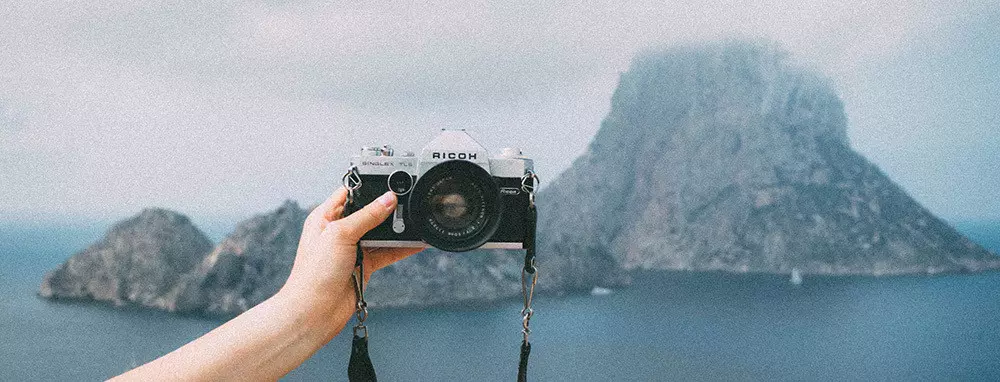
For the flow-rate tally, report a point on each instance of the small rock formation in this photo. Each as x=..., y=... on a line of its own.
x=249, y=266
x=139, y=261
x=726, y=156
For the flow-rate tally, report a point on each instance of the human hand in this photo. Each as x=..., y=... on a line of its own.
x=324, y=262
x=277, y=335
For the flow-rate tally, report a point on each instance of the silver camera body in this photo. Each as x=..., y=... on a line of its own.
x=454, y=195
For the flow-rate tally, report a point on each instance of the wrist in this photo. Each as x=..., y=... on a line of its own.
x=319, y=311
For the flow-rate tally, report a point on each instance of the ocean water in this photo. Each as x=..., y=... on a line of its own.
x=667, y=326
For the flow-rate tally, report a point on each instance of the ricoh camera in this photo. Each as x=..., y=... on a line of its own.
x=453, y=196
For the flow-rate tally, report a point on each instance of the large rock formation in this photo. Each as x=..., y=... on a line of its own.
x=139, y=260
x=727, y=156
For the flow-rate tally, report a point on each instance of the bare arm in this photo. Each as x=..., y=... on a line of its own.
x=277, y=335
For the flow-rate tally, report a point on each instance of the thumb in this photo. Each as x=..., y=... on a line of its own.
x=355, y=225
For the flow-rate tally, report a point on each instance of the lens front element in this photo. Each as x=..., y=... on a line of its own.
x=457, y=207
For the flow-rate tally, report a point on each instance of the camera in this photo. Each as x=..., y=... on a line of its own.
x=454, y=196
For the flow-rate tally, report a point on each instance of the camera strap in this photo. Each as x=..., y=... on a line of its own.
x=528, y=272
x=359, y=368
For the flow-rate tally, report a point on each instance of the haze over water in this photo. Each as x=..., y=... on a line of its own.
x=666, y=326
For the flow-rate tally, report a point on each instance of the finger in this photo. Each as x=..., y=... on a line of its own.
x=332, y=212
x=352, y=227
x=319, y=215
x=378, y=258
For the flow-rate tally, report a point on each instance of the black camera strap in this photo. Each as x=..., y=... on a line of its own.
x=529, y=272
x=527, y=291
x=359, y=367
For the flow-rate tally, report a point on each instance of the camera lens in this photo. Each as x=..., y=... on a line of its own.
x=455, y=206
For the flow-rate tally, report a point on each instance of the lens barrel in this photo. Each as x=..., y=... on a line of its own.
x=455, y=206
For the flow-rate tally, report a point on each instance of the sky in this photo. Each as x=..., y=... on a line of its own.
x=221, y=110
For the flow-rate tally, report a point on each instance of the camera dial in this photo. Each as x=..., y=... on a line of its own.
x=400, y=182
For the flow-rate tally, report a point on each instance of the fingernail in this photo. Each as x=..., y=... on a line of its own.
x=387, y=200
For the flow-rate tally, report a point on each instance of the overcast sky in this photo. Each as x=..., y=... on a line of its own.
x=224, y=109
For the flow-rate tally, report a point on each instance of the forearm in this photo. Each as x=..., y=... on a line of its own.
x=264, y=343
x=317, y=300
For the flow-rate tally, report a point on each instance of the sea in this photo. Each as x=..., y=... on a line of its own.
x=665, y=326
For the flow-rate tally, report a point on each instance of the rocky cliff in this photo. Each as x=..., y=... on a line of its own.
x=139, y=260
x=247, y=267
x=727, y=156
